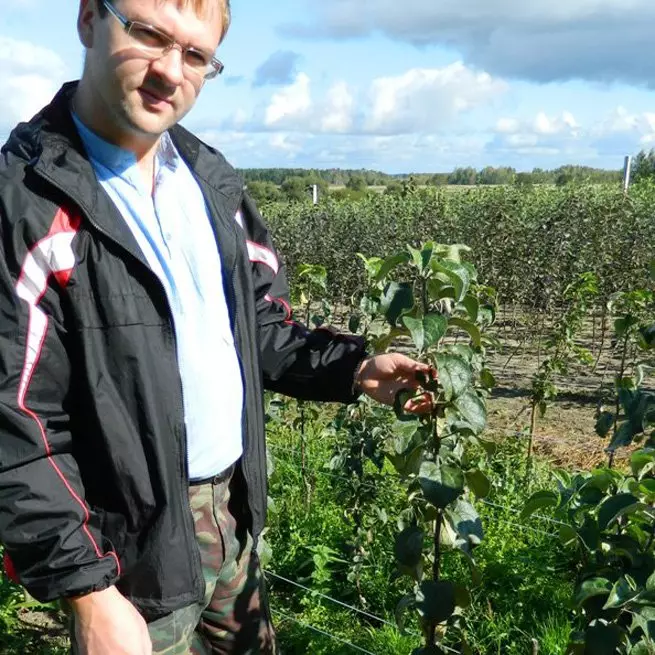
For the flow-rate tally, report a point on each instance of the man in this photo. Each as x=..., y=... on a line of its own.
x=142, y=312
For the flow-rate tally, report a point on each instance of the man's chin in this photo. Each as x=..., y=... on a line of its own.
x=151, y=125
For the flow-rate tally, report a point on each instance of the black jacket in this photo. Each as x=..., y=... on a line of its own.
x=93, y=477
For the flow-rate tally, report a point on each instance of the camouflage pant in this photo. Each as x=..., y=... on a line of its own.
x=233, y=617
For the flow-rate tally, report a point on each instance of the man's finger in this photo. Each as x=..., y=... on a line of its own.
x=420, y=404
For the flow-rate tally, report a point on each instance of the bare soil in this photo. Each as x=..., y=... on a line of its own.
x=566, y=434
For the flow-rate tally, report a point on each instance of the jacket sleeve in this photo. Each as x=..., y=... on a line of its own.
x=52, y=539
x=315, y=364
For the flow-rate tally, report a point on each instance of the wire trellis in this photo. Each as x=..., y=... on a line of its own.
x=330, y=599
x=307, y=626
x=484, y=501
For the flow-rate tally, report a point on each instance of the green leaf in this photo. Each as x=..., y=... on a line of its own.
x=623, y=437
x=604, y=424
x=478, y=482
x=408, y=463
x=590, y=533
x=539, y=500
x=487, y=379
x=644, y=647
x=467, y=326
x=623, y=324
x=389, y=264
x=647, y=488
x=369, y=306
x=462, y=596
x=402, y=435
x=454, y=374
x=462, y=350
x=648, y=336
x=466, y=521
x=426, y=331
x=472, y=411
x=399, y=403
x=264, y=552
x=353, y=323
x=409, y=546
x=436, y=600
x=451, y=251
x=421, y=258
x=406, y=602
x=458, y=275
x=623, y=591
x=591, y=588
x=441, y=485
x=650, y=583
x=487, y=315
x=613, y=507
x=472, y=306
x=372, y=265
x=601, y=479
x=428, y=650
x=397, y=299
x=567, y=535
x=643, y=618
x=383, y=342
x=602, y=639
x=642, y=459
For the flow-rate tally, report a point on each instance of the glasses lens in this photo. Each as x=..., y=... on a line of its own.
x=213, y=69
x=196, y=60
x=149, y=38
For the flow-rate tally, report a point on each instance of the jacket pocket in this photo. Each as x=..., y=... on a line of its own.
x=91, y=309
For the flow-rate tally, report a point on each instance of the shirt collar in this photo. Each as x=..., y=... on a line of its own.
x=118, y=160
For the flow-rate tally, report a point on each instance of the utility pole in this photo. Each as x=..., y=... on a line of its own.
x=627, y=168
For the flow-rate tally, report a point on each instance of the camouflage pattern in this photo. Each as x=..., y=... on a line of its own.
x=234, y=618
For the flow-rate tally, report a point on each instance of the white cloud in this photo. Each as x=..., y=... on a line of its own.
x=338, y=115
x=418, y=101
x=562, y=138
x=565, y=123
x=421, y=99
x=635, y=130
x=507, y=125
x=394, y=153
x=290, y=104
x=29, y=77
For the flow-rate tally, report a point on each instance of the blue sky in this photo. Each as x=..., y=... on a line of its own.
x=417, y=85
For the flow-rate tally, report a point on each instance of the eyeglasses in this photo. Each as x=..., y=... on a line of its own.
x=156, y=43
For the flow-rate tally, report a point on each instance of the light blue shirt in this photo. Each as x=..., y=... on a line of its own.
x=173, y=230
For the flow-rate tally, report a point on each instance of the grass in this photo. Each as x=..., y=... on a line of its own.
x=523, y=596
x=525, y=585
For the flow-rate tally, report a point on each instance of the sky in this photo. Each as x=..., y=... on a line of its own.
x=392, y=85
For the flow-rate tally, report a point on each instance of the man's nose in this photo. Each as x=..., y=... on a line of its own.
x=170, y=66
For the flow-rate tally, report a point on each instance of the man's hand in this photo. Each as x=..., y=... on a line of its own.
x=382, y=376
x=106, y=623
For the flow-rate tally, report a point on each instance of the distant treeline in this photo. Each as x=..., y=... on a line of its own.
x=468, y=176
x=274, y=184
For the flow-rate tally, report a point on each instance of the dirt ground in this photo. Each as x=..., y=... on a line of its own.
x=566, y=434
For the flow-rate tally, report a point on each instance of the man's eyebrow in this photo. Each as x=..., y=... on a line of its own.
x=145, y=21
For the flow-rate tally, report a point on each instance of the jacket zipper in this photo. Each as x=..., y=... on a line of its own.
x=182, y=460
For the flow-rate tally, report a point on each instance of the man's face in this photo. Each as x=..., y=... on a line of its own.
x=133, y=95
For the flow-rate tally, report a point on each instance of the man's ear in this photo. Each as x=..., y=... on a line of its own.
x=86, y=21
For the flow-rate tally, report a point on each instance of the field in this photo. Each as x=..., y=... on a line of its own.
x=499, y=525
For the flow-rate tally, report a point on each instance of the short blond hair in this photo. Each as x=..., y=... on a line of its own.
x=199, y=6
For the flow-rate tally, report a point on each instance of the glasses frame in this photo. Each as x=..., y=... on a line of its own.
x=215, y=66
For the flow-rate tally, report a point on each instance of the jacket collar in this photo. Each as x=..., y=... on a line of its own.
x=52, y=145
